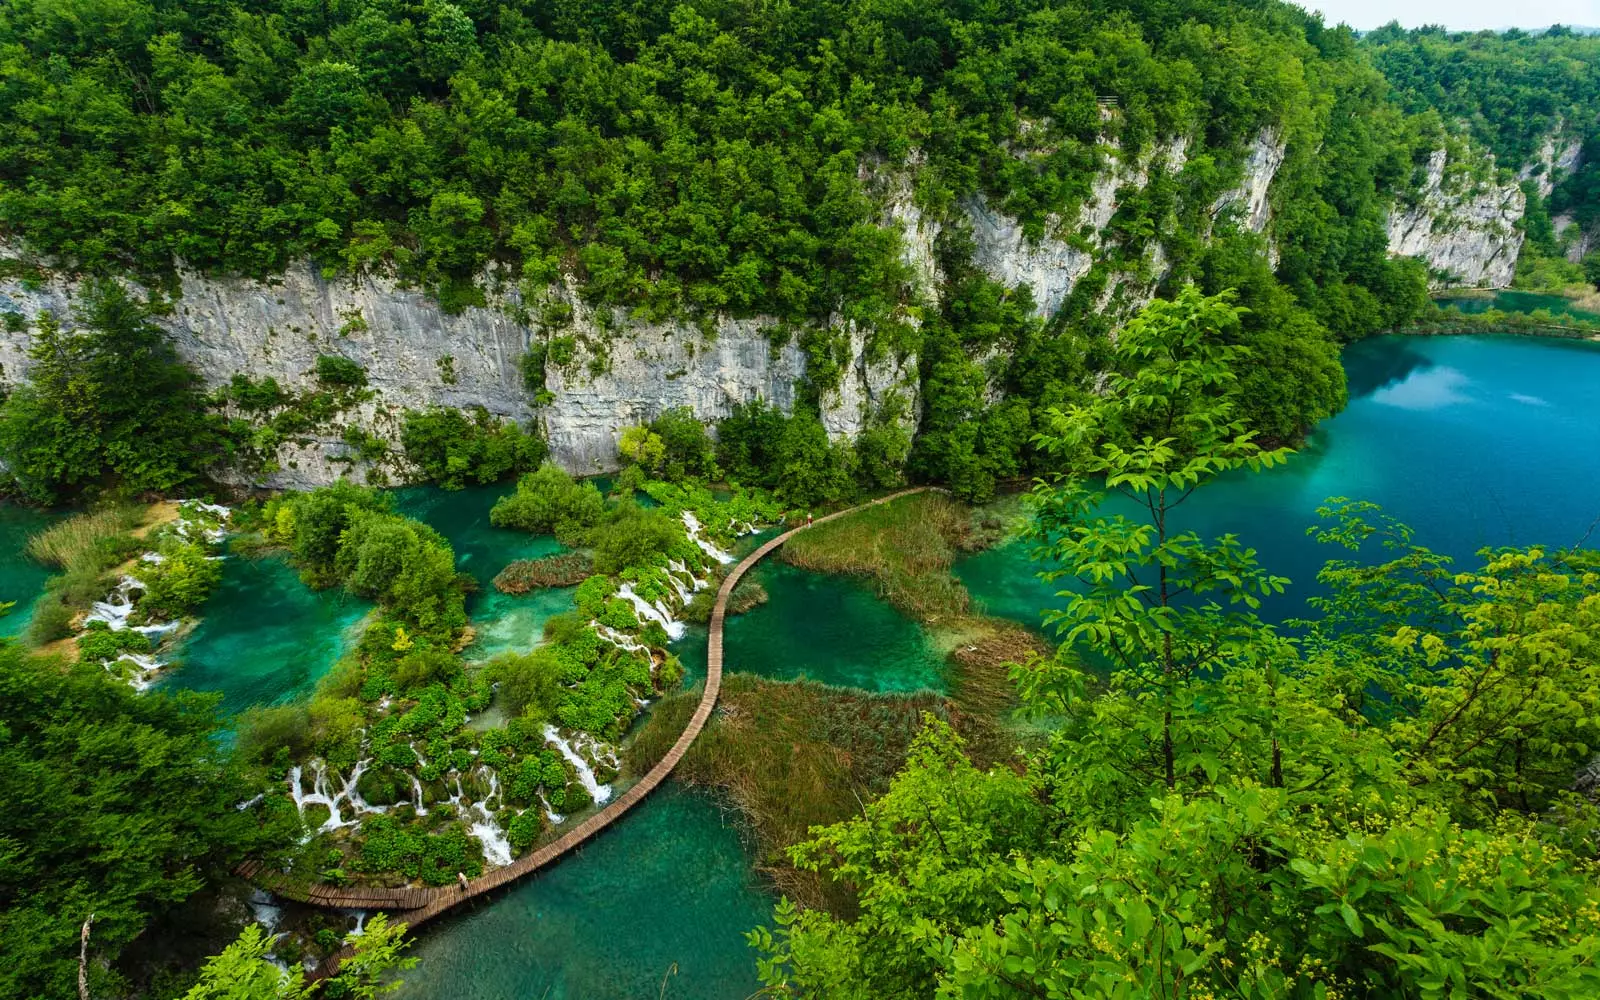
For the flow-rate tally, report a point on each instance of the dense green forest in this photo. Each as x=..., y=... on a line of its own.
x=1379, y=805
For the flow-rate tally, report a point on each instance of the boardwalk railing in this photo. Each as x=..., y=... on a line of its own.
x=414, y=906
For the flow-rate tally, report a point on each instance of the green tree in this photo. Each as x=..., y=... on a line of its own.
x=107, y=408
x=119, y=804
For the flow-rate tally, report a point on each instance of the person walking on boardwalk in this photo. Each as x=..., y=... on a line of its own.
x=462, y=878
x=808, y=519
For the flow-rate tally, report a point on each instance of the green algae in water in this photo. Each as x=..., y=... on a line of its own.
x=504, y=622
x=826, y=628
x=1473, y=441
x=669, y=885
x=21, y=579
x=1511, y=300
x=265, y=638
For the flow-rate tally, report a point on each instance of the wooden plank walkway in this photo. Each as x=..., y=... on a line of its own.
x=415, y=906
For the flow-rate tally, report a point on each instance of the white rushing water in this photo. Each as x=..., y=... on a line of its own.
x=496, y=848
x=619, y=639
x=655, y=612
x=600, y=793
x=692, y=523
x=265, y=909
x=322, y=794
x=119, y=605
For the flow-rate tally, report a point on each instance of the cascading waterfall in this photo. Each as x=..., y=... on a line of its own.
x=118, y=606
x=619, y=639
x=692, y=524
x=416, y=794
x=653, y=612
x=267, y=912
x=322, y=795
x=600, y=793
x=496, y=848
x=676, y=568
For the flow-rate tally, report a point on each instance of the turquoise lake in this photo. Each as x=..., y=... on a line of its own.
x=1473, y=441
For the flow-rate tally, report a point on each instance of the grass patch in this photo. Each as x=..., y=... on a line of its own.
x=84, y=539
x=566, y=569
x=85, y=548
x=906, y=548
x=791, y=755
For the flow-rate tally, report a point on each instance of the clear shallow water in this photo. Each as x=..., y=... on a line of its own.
x=830, y=629
x=1473, y=441
x=21, y=579
x=671, y=885
x=266, y=638
x=1510, y=300
x=503, y=621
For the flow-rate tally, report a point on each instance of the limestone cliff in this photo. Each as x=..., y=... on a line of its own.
x=613, y=371
x=417, y=355
x=1466, y=230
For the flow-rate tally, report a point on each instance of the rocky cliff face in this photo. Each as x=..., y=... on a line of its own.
x=416, y=355
x=1465, y=231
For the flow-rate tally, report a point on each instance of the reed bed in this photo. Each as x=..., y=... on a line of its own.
x=906, y=548
x=82, y=540
x=568, y=569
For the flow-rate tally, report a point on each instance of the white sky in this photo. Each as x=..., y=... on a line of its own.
x=1459, y=15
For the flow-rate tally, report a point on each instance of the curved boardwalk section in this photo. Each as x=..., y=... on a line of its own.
x=413, y=906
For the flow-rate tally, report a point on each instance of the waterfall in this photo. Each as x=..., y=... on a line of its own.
x=676, y=568
x=619, y=639
x=416, y=792
x=496, y=848
x=322, y=795
x=600, y=793
x=652, y=612
x=266, y=912
x=692, y=523
x=555, y=818
x=117, y=606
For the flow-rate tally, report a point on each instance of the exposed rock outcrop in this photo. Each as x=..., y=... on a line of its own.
x=1465, y=231
x=417, y=355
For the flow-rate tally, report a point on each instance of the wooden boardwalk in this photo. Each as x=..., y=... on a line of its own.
x=415, y=906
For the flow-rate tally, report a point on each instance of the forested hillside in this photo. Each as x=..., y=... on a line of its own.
x=1533, y=99
x=738, y=159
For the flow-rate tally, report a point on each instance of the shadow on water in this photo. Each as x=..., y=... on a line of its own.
x=1369, y=366
x=21, y=579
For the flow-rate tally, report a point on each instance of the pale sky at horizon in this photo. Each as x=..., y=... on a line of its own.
x=1458, y=15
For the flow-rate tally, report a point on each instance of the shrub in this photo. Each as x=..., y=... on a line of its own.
x=550, y=500
x=632, y=535
x=340, y=372
x=451, y=449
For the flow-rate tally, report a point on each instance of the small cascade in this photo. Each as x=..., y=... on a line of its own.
x=678, y=588
x=496, y=847
x=677, y=568
x=321, y=794
x=361, y=923
x=555, y=818
x=146, y=667
x=251, y=802
x=692, y=523
x=267, y=912
x=652, y=612
x=416, y=795
x=600, y=793
x=619, y=639
x=117, y=606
